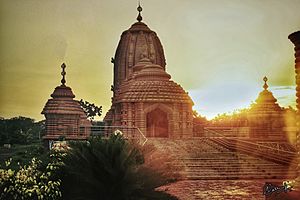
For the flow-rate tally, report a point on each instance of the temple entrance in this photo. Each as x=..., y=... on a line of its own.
x=157, y=123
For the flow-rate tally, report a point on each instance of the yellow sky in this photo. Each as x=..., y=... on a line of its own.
x=218, y=50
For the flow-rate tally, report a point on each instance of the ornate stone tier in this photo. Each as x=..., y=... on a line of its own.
x=62, y=102
x=153, y=91
x=266, y=103
x=151, y=84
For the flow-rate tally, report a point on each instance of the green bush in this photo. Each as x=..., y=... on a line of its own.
x=107, y=169
x=30, y=182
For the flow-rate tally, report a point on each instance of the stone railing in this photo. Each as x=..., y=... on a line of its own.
x=259, y=150
x=130, y=133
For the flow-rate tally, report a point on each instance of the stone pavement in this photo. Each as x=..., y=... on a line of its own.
x=216, y=189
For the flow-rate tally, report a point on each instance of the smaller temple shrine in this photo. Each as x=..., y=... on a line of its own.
x=65, y=119
x=266, y=117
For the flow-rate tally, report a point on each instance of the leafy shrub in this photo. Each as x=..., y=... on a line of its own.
x=30, y=182
x=107, y=169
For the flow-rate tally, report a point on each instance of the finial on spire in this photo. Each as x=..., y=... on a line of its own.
x=139, y=8
x=63, y=73
x=265, y=85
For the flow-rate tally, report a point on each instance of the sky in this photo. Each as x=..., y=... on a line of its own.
x=217, y=50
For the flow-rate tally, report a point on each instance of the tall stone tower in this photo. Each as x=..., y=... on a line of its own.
x=143, y=94
x=295, y=38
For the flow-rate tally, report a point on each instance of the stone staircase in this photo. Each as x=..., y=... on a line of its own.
x=205, y=159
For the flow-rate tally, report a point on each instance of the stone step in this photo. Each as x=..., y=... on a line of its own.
x=239, y=172
x=191, y=164
x=256, y=168
x=233, y=177
x=206, y=159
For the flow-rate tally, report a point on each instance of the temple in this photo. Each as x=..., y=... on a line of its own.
x=266, y=117
x=264, y=120
x=143, y=94
x=65, y=119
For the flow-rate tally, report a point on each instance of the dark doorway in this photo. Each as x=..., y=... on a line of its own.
x=157, y=123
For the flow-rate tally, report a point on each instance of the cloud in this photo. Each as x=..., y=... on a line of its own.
x=285, y=95
x=283, y=88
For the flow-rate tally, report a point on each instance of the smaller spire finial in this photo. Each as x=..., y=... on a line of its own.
x=139, y=8
x=265, y=85
x=63, y=73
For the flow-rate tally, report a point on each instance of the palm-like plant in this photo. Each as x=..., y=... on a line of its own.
x=106, y=169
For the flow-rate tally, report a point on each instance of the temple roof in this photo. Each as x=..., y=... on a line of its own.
x=63, y=91
x=137, y=42
x=150, y=83
x=266, y=101
x=145, y=70
x=295, y=38
x=154, y=91
x=62, y=106
x=62, y=101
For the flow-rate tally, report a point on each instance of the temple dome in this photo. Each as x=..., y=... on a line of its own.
x=152, y=72
x=63, y=91
x=62, y=102
x=139, y=41
x=265, y=101
x=136, y=43
x=266, y=97
x=139, y=26
x=145, y=70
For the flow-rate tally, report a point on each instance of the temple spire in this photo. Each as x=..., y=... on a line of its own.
x=139, y=8
x=63, y=73
x=265, y=85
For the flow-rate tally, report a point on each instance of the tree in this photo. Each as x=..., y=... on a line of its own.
x=19, y=130
x=90, y=109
